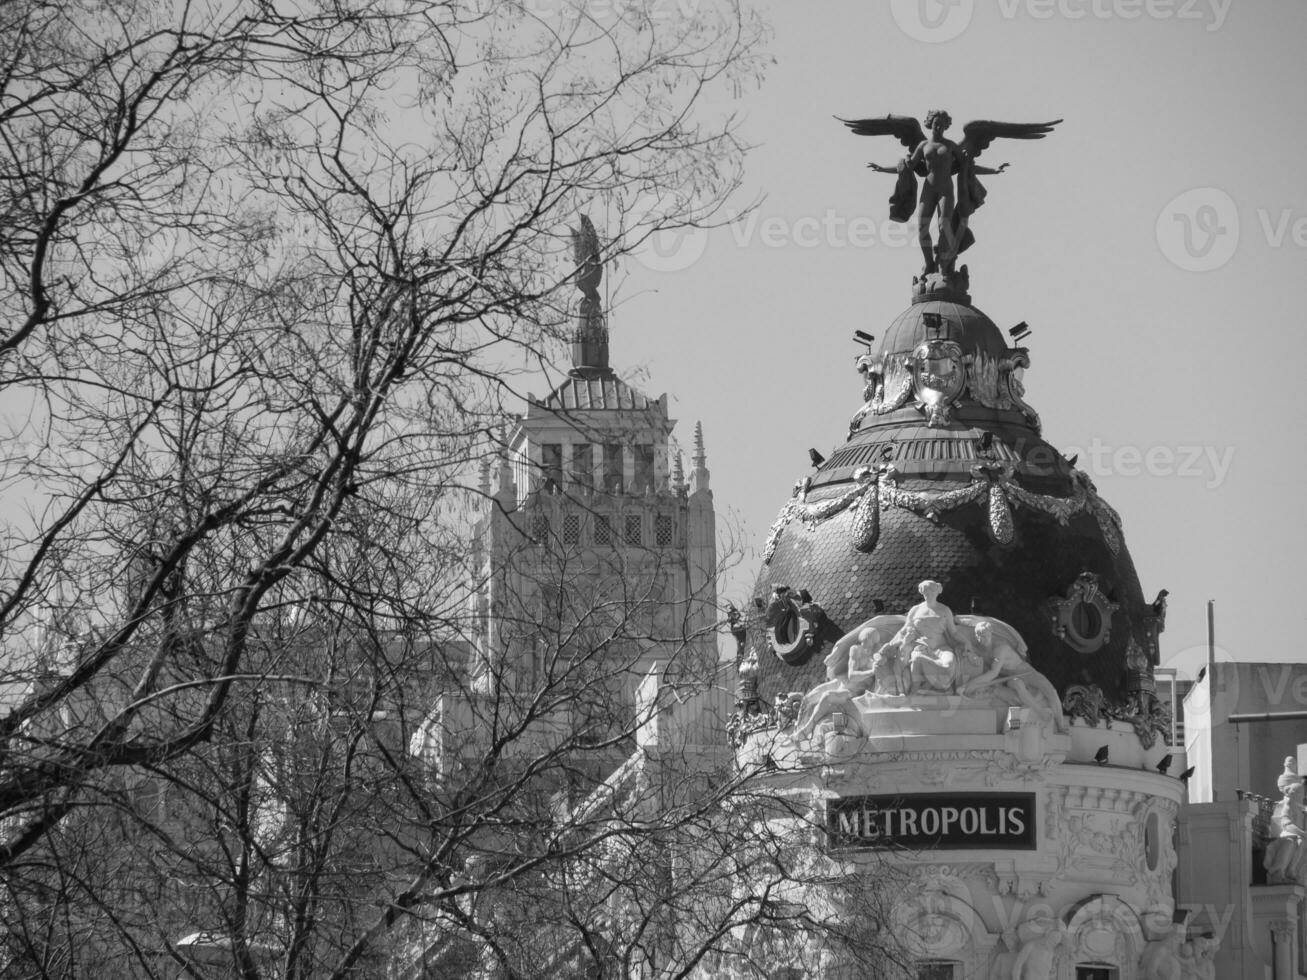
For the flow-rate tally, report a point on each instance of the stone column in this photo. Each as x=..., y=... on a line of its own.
x=1275, y=916
x=1284, y=939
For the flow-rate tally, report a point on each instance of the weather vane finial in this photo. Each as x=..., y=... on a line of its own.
x=938, y=160
x=590, y=340
x=589, y=266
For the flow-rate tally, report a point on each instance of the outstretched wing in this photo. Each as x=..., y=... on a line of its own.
x=906, y=129
x=979, y=133
x=883, y=629
x=1002, y=631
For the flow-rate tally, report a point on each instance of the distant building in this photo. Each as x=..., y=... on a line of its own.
x=595, y=592
x=1242, y=870
x=590, y=511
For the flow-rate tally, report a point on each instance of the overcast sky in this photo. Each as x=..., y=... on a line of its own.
x=1156, y=244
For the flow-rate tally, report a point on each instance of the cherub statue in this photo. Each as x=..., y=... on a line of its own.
x=938, y=160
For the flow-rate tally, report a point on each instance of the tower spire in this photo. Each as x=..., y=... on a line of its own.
x=699, y=475
x=590, y=338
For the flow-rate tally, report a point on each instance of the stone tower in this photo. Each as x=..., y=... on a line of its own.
x=591, y=537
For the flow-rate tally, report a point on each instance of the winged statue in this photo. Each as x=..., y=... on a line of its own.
x=589, y=267
x=938, y=160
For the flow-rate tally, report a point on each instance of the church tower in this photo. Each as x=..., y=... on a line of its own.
x=597, y=555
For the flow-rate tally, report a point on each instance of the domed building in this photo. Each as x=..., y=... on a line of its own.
x=955, y=674
x=945, y=475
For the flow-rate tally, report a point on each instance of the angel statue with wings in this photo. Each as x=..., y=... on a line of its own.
x=937, y=160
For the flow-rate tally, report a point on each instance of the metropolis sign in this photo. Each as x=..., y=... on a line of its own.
x=933, y=820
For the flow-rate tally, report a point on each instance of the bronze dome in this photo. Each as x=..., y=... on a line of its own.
x=944, y=475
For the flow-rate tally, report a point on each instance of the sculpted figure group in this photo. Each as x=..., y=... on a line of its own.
x=1286, y=857
x=1173, y=957
x=930, y=651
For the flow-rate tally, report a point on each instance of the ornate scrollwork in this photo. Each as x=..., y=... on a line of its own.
x=1016, y=390
x=987, y=381
x=897, y=379
x=1082, y=616
x=794, y=625
x=1144, y=711
x=740, y=727
x=1086, y=702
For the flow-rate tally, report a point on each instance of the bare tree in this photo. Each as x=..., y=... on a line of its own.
x=268, y=268
x=269, y=273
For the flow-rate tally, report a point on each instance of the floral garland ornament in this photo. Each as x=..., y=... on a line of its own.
x=876, y=489
x=1149, y=716
x=866, y=519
